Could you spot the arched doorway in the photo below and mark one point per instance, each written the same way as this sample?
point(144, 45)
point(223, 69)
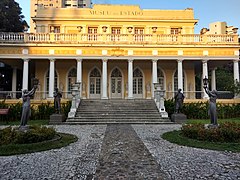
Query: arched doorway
point(137, 83)
point(116, 83)
point(95, 84)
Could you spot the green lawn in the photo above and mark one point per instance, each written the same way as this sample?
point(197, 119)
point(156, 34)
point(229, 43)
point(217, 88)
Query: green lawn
point(207, 121)
point(177, 138)
point(31, 122)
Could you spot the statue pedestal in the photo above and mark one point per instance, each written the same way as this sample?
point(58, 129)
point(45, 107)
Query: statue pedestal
point(57, 119)
point(179, 118)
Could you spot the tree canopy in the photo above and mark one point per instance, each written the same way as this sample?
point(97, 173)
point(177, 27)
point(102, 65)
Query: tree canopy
point(11, 18)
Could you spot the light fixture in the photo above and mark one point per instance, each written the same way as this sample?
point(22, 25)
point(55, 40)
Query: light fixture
point(130, 29)
point(79, 28)
point(104, 28)
point(154, 29)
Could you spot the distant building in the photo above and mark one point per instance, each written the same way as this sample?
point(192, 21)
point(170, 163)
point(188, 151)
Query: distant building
point(55, 4)
point(219, 28)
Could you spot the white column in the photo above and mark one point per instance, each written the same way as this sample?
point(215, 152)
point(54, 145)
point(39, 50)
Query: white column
point(51, 77)
point(79, 74)
point(25, 74)
point(104, 79)
point(79, 70)
point(204, 74)
point(213, 81)
point(130, 79)
point(180, 74)
point(236, 70)
point(154, 75)
point(14, 82)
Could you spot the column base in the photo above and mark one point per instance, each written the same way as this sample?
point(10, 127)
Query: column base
point(104, 97)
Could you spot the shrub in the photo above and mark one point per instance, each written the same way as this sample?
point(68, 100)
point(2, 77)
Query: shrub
point(226, 132)
point(200, 110)
point(35, 134)
point(40, 112)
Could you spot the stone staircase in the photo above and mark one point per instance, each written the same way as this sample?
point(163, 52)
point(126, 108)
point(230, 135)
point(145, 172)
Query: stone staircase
point(117, 111)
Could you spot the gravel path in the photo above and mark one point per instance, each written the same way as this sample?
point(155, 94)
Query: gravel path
point(80, 160)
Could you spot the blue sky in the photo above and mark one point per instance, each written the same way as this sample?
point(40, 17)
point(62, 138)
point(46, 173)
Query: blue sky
point(207, 11)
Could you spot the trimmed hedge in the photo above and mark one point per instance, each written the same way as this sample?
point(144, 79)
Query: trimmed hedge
point(226, 132)
point(35, 134)
point(40, 112)
point(200, 110)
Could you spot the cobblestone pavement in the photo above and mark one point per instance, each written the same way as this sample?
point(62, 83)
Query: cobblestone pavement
point(80, 160)
point(188, 163)
point(76, 161)
point(124, 156)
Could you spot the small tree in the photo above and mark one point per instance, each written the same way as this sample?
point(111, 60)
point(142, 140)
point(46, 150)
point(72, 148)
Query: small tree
point(11, 18)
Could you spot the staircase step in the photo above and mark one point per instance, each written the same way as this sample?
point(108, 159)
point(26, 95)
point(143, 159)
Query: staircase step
point(117, 111)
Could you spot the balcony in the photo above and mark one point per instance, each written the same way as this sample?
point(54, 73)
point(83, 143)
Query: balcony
point(120, 39)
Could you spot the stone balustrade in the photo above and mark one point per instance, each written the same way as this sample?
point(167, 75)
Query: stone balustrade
point(64, 38)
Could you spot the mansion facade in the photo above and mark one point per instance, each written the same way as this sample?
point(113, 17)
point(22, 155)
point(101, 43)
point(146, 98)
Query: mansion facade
point(114, 51)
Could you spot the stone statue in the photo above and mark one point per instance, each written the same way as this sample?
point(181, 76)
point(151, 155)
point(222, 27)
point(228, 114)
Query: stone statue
point(212, 104)
point(26, 106)
point(57, 101)
point(179, 97)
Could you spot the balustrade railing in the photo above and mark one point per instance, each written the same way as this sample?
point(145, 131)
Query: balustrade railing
point(65, 38)
point(41, 95)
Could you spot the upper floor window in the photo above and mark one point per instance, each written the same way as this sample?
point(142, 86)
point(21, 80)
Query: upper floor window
point(55, 29)
point(92, 34)
point(138, 34)
point(174, 31)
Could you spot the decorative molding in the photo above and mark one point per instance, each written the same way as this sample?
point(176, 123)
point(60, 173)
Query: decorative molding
point(25, 51)
point(130, 52)
point(180, 52)
point(51, 51)
point(79, 52)
point(155, 52)
point(104, 52)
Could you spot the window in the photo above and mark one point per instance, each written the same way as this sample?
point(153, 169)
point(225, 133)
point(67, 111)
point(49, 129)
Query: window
point(138, 34)
point(72, 76)
point(174, 31)
point(115, 33)
point(55, 29)
point(92, 34)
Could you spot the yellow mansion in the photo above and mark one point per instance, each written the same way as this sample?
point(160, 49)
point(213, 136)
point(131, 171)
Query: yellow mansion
point(115, 51)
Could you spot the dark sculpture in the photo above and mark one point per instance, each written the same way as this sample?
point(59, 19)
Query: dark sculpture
point(212, 104)
point(57, 101)
point(179, 97)
point(26, 106)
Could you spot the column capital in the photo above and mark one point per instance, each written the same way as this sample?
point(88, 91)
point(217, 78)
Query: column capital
point(130, 60)
point(180, 60)
point(52, 60)
point(155, 60)
point(104, 60)
point(26, 60)
point(205, 60)
point(236, 60)
point(79, 59)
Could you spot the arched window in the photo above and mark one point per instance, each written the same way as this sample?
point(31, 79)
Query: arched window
point(137, 83)
point(72, 77)
point(95, 83)
point(160, 78)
